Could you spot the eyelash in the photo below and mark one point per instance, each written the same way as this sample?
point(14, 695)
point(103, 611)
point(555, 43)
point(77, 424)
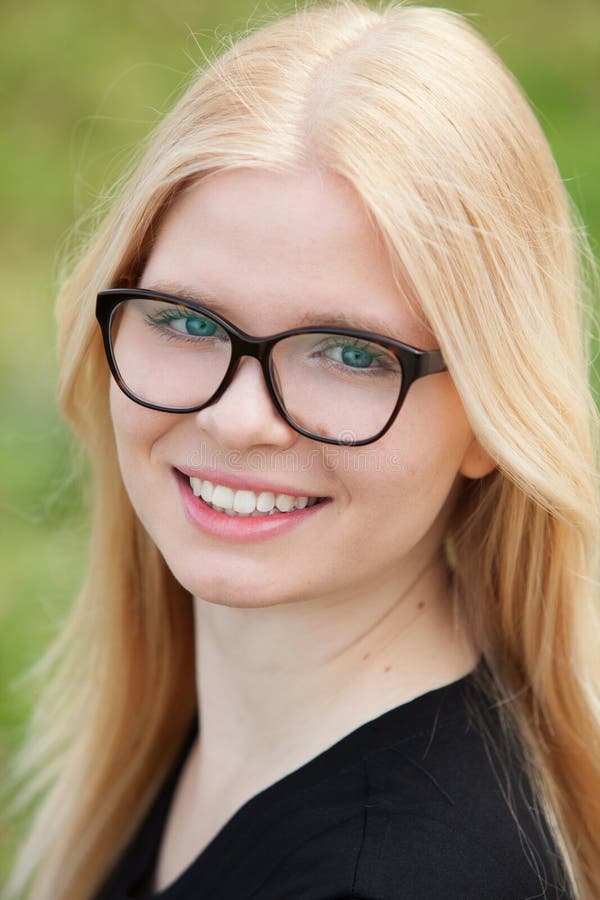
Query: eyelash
point(169, 315)
point(358, 344)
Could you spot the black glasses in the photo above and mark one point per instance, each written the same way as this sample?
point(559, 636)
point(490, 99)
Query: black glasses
point(335, 385)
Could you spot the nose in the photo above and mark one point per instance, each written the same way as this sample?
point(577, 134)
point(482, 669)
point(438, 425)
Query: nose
point(244, 416)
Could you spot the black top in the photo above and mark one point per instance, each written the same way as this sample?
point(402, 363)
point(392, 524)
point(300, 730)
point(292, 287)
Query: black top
point(406, 807)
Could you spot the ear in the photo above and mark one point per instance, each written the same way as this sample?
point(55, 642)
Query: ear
point(476, 462)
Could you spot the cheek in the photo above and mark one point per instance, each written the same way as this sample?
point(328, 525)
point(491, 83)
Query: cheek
point(128, 435)
point(402, 486)
point(136, 430)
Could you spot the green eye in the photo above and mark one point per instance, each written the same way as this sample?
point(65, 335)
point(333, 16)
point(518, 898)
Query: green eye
point(355, 354)
point(195, 325)
point(186, 322)
point(355, 357)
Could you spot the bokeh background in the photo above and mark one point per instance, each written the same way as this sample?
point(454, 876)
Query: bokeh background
point(80, 84)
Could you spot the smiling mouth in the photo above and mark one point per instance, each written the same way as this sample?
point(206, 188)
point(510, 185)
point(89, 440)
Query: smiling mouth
point(247, 503)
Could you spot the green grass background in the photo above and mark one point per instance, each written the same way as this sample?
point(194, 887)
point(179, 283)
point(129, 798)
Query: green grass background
point(80, 84)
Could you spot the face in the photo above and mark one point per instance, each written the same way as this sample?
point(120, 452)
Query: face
point(265, 250)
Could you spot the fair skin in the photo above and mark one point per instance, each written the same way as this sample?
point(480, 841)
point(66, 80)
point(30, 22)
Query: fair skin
point(303, 636)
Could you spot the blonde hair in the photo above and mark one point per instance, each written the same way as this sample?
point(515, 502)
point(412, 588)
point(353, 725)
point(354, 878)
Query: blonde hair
point(418, 113)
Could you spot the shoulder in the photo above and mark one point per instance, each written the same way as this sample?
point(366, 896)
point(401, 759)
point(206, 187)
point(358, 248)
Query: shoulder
point(452, 815)
point(443, 813)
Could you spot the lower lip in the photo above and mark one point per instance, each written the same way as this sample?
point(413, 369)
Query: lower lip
point(239, 528)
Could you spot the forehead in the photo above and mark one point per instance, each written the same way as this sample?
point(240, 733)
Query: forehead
point(272, 251)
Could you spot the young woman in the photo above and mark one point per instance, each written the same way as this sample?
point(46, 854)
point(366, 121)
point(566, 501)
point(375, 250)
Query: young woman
point(339, 632)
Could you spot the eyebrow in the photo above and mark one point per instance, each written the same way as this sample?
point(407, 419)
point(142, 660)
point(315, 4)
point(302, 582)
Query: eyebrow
point(335, 320)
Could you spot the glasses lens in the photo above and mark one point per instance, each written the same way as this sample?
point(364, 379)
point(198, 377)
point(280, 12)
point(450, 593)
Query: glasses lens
point(168, 354)
point(335, 385)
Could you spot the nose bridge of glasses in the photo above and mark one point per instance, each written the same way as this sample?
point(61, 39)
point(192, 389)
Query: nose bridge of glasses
point(243, 346)
point(246, 345)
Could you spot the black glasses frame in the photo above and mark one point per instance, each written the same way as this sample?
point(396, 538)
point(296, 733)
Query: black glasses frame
point(414, 363)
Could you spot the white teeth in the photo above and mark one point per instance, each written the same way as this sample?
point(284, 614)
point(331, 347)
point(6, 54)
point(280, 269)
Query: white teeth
point(207, 491)
point(247, 503)
point(222, 496)
point(265, 501)
point(244, 502)
point(284, 502)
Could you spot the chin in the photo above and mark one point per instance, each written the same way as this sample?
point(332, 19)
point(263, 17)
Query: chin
point(240, 594)
point(233, 601)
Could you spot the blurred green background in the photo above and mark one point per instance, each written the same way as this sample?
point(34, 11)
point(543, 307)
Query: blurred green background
point(81, 83)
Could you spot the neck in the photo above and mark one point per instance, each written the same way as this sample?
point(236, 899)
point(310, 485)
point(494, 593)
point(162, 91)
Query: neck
point(277, 685)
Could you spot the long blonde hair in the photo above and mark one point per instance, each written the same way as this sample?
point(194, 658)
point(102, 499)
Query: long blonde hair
point(419, 114)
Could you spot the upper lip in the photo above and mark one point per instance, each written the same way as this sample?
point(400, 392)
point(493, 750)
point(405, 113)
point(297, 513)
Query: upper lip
point(244, 482)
